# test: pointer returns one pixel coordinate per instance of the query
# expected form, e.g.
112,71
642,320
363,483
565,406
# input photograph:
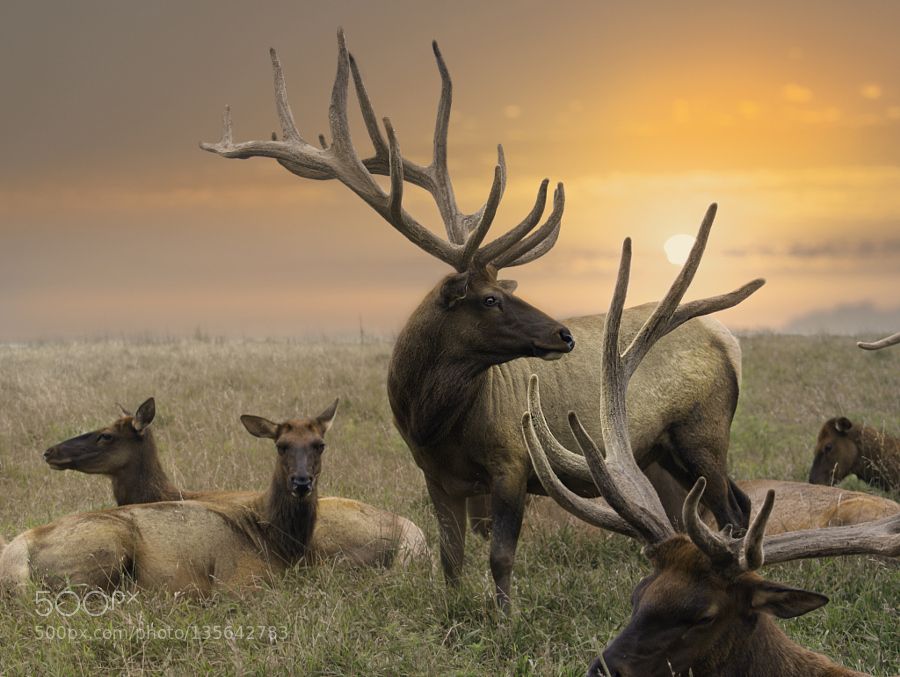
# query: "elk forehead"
300,432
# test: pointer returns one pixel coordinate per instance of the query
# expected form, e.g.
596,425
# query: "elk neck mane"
285,523
145,481
433,381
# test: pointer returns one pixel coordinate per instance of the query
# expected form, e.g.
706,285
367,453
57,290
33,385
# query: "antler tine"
285,115
368,113
891,340
871,538
744,554
669,315
476,237
539,242
618,476
538,439
493,249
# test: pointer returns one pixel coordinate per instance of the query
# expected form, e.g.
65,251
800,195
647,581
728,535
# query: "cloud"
862,250
795,93
512,111
871,91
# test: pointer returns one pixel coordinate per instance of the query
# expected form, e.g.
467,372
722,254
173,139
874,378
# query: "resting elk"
184,546
126,452
703,611
844,448
457,378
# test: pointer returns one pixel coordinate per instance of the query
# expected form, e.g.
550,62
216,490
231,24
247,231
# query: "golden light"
678,247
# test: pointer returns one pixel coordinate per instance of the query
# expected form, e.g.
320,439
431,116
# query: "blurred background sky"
112,221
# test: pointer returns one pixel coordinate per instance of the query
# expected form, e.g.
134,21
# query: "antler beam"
891,340
339,160
617,475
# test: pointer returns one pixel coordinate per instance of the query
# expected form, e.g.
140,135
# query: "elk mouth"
550,353
68,463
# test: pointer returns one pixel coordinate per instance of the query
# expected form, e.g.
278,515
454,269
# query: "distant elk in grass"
186,546
703,611
126,452
844,448
457,378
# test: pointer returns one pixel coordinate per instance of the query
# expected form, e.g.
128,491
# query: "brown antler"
891,340
465,232
667,316
618,476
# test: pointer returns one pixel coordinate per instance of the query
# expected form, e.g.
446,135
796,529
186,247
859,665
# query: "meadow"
572,584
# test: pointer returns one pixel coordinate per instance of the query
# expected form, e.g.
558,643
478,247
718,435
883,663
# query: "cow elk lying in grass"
703,611
844,448
126,452
457,378
186,546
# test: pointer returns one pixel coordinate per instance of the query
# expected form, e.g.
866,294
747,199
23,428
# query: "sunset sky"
113,221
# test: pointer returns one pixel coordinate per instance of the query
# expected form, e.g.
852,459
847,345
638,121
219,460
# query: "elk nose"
49,453
301,484
566,336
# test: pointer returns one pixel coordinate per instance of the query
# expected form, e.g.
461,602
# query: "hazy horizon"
115,223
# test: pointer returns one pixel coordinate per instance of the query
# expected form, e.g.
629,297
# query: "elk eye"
705,620
827,448
281,449
490,301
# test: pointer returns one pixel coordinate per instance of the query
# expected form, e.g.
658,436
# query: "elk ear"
509,286
454,289
260,427
783,601
842,424
144,415
326,418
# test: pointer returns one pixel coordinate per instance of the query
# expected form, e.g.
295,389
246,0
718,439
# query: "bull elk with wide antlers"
457,383
703,611
126,452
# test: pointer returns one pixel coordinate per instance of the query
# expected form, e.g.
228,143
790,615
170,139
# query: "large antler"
618,476
891,340
465,232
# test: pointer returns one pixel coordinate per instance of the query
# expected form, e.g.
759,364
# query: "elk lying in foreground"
457,378
799,506
865,451
126,452
703,611
187,545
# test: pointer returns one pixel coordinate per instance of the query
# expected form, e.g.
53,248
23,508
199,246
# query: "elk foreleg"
507,509
451,517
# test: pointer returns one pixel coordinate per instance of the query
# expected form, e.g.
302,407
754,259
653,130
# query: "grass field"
571,586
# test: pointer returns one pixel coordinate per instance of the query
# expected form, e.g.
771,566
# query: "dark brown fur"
844,448
457,390
694,615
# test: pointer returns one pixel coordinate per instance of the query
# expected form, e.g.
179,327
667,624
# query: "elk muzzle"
301,485
562,342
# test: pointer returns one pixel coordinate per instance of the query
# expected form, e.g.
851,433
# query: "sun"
678,247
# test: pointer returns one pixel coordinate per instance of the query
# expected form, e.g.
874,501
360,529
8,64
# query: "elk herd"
623,419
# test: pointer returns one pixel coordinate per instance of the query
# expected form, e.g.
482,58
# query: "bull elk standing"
456,381
126,452
703,611
186,545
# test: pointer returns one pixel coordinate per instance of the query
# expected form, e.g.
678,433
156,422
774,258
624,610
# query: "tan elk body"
185,546
703,611
126,452
457,378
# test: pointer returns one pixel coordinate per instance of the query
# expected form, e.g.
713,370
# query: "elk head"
300,444
700,608
106,450
836,452
473,293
